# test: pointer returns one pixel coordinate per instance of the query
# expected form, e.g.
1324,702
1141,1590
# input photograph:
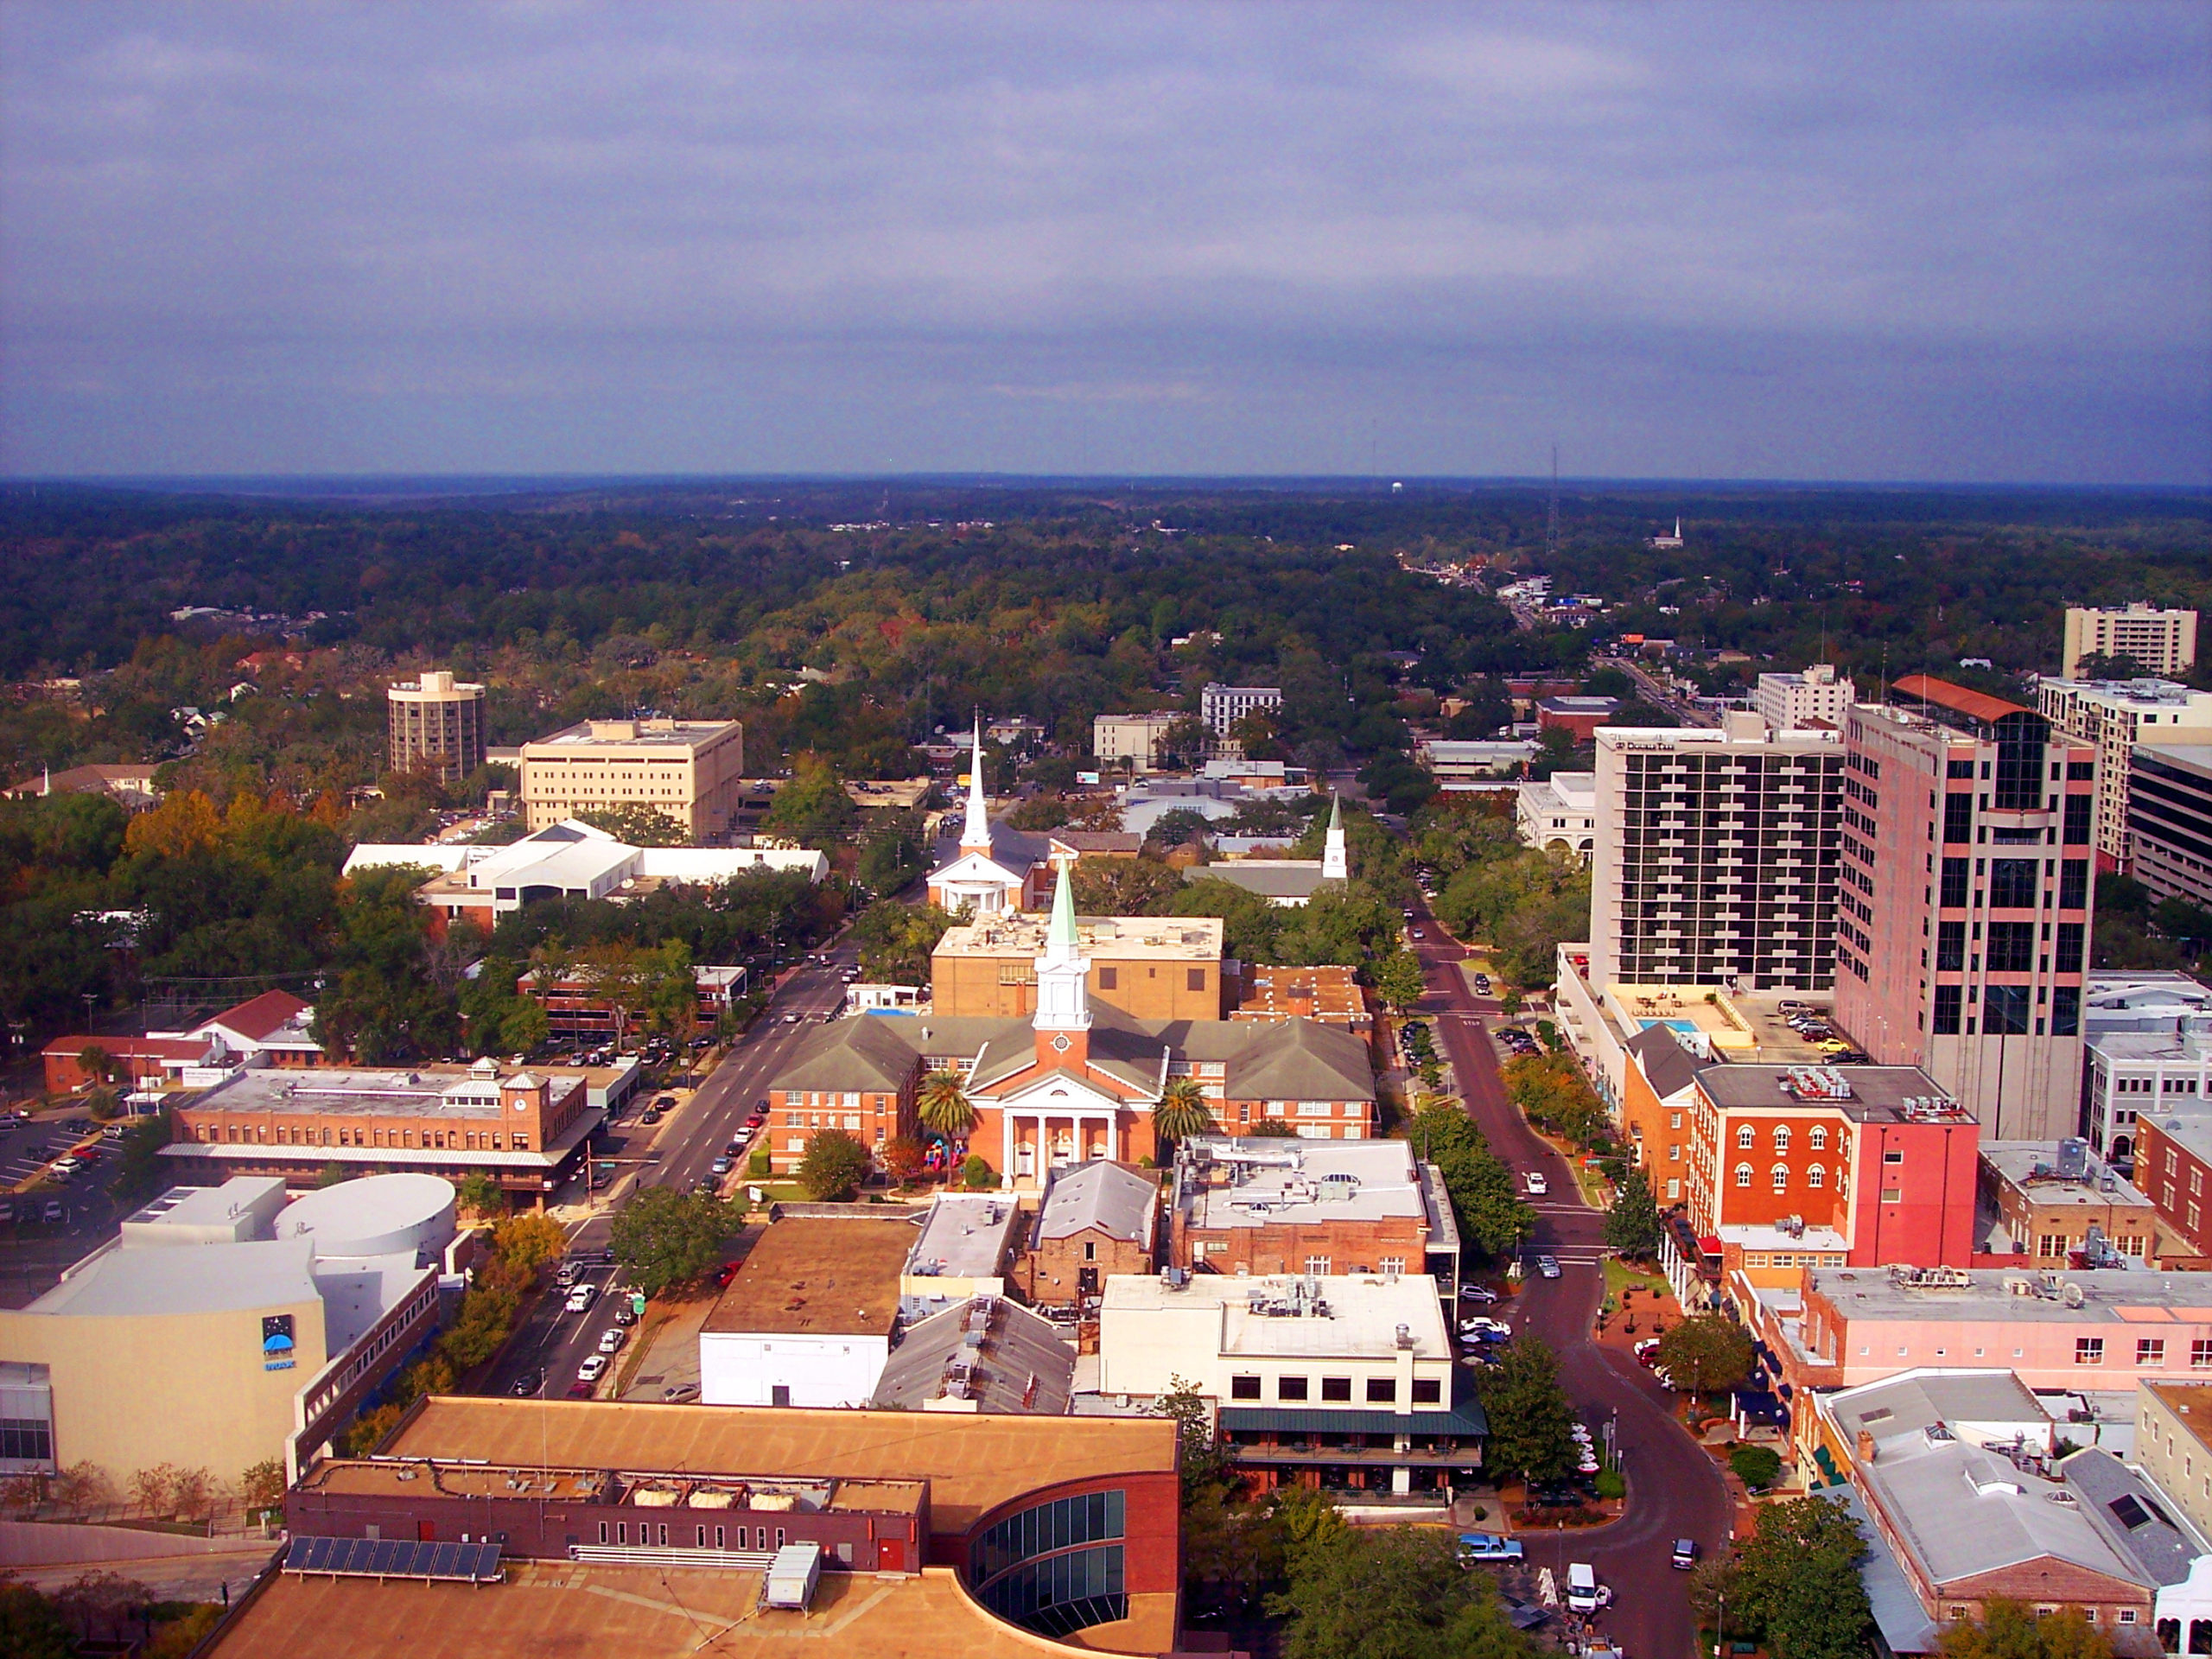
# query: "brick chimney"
1300,998
1865,1445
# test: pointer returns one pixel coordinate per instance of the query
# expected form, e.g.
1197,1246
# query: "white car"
593,1369
1537,1184
612,1340
582,1297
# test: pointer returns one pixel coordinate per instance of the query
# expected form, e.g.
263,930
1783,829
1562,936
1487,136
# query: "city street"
1674,1488
679,1151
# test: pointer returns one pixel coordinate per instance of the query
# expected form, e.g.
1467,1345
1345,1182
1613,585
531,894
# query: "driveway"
1674,1488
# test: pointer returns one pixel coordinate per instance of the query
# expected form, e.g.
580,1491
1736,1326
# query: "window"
1195,979
1948,1001
1817,1137
1290,1387
1893,1156
1393,1264
1743,1174
2089,1350
1317,1267
2012,947
2073,884
2069,948
2150,1350
2050,1244
1428,1391
1744,1137
1673,1120
1109,979
2199,1354
1336,1389
1954,883
1243,1387
2005,1010
1958,818
1781,1173
2078,810
1674,1152
1382,1390
2012,883
1091,1250
1674,1192
1816,1177
1781,1137
2065,1005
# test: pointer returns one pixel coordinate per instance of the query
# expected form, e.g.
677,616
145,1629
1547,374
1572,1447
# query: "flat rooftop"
1872,1093
204,1279
819,1277
1225,1181
965,1235
1359,1318
2114,1296
2175,1047
2030,1166
973,1463
649,1612
1166,939
631,734
424,1091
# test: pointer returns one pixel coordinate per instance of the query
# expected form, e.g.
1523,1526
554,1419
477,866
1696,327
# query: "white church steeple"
1335,865
975,833
1063,972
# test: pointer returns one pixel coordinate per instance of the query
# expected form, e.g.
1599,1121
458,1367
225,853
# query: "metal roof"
1100,1195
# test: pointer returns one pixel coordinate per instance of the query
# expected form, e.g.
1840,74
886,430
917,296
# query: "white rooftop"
965,1235
1223,1181
216,1278
1337,1315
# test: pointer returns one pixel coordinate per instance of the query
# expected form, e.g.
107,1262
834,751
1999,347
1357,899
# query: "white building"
568,859
1134,738
1474,763
2161,642
977,881
1560,813
1368,1342
2131,1073
2116,715
1787,702
1222,706
1676,900
808,1319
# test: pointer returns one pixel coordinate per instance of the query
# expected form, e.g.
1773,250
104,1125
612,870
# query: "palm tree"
1182,1111
942,1105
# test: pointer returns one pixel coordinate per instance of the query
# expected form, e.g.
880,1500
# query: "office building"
1135,738
1245,1206
686,770
2159,642
1473,765
1558,814
808,1319
437,726
643,1529
1302,1367
1815,695
2141,1075
1968,828
1222,706
1717,856
263,1335
2113,716
1578,717
2169,820
1149,967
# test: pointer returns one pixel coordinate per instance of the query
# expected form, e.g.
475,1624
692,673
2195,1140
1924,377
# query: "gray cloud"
1919,241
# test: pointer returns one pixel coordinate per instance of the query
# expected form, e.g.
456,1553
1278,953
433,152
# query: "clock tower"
1063,1018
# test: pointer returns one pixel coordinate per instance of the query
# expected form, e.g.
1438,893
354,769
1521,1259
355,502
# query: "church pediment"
973,869
1058,1091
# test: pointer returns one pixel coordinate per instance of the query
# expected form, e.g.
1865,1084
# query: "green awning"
1464,1418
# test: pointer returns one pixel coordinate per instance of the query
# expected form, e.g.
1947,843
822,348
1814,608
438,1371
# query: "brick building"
2046,1196
1331,995
2173,1158
576,1010
1148,967
1098,1219
1659,1108
1261,1205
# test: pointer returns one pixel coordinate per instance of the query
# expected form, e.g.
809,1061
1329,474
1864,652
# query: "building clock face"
1060,1043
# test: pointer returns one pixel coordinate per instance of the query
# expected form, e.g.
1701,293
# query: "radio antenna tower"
1551,518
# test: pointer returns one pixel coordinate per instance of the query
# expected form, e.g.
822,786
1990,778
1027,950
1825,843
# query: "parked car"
1647,1351
613,1338
724,1273
675,1393
1685,1555
1548,1266
722,1165
580,1390
1584,1593
527,1384
593,1369
650,1116
1482,1294
625,1313
1488,1547
756,1119
55,1212
1538,1185
7,1211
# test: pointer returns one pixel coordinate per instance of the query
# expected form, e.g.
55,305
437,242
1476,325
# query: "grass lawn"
1623,1275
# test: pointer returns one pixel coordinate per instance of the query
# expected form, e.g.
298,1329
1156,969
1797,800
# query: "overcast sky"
1778,240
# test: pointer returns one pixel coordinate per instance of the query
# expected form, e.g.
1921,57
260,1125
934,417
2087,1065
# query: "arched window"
1782,1178
1781,1137
1744,1137
1817,1137
1743,1174
1816,1176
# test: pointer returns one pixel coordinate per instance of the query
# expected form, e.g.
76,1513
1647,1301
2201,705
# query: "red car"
580,1390
755,1120
724,1273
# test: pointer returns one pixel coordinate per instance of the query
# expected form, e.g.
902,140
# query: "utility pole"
1551,518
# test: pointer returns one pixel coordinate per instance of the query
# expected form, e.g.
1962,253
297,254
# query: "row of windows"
1380,1390
389,1139
2150,1352
26,1439
1816,1177
2005,1011
1816,1137
1061,1524
1062,1594
758,1536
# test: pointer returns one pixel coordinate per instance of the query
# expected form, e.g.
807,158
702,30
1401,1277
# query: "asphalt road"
679,1151
1674,1491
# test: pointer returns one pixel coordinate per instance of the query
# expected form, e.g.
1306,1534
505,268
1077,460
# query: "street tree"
1798,1581
1397,1593
661,1236
1205,1462
1182,1112
1632,1225
2012,1630
1399,980
1531,1420
1707,1353
834,1167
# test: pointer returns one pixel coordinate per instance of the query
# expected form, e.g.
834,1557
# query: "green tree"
941,1105
392,996
1530,1417
1400,981
333,1175
1397,1593
1798,1581
662,1238
2012,1630
636,825
835,1165
1632,1225
1707,1353
895,941
1205,1461
811,808
1182,1112
1493,1217
139,1162
480,1194
30,1626
975,1172
1756,1465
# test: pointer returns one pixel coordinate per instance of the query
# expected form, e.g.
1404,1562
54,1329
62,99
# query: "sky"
1962,242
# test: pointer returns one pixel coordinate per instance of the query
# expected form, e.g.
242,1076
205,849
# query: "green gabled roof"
861,1054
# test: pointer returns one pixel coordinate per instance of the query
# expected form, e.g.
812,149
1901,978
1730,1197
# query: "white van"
1581,1588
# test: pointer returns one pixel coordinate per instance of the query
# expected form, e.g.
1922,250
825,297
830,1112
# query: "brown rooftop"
648,1612
973,1464
386,1477
818,1277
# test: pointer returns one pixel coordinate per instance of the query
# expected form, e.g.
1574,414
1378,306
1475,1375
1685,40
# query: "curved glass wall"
1052,1568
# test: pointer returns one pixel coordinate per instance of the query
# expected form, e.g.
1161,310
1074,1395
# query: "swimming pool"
1671,1025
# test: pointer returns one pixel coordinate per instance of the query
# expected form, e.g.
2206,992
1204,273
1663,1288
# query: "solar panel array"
394,1558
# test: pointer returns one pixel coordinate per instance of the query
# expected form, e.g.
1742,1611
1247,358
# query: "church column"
1006,1166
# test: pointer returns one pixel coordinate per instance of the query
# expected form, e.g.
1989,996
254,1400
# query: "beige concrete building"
2173,1444
183,1342
2161,642
2115,716
1149,967
437,726
1134,738
687,769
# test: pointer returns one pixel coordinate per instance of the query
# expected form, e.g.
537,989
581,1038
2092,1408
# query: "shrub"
974,1172
1754,1465
758,1165
1611,1484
